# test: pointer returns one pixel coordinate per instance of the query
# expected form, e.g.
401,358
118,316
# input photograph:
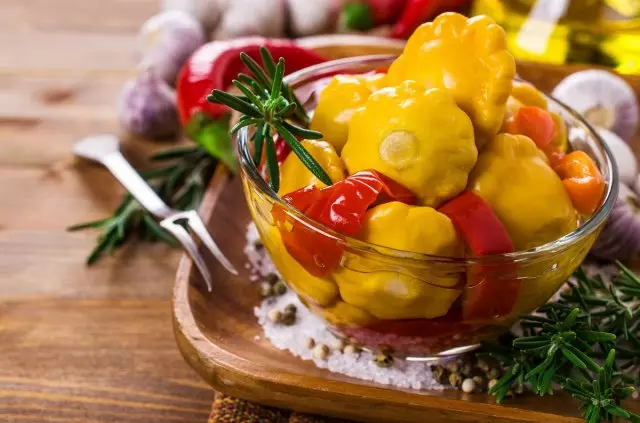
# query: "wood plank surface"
77,344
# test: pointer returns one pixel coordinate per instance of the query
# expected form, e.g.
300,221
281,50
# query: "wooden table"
77,344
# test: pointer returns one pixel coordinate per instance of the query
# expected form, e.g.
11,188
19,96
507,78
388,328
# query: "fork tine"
190,246
197,225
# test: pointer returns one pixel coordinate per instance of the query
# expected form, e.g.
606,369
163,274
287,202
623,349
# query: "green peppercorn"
383,360
279,288
272,278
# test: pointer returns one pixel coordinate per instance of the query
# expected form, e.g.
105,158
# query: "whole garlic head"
241,18
166,41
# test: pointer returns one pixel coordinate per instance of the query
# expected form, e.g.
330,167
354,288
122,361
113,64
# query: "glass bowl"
412,305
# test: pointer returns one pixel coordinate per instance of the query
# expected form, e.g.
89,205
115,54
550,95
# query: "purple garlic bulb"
147,107
620,237
166,41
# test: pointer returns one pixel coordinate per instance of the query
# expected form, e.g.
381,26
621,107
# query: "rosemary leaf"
304,155
272,163
267,61
302,133
262,131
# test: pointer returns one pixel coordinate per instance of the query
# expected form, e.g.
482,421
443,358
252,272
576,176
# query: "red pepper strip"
282,149
366,14
582,180
492,290
535,123
554,155
418,11
340,207
216,64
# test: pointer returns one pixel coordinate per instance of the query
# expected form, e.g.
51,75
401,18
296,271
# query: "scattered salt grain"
309,332
403,374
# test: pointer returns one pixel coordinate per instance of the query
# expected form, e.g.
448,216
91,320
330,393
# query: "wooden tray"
220,338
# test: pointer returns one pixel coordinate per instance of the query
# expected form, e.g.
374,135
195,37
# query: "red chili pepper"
418,11
340,207
366,14
492,290
216,64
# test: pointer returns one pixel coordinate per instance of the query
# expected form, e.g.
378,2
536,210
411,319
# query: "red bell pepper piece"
492,290
366,14
340,207
582,180
216,64
535,123
418,11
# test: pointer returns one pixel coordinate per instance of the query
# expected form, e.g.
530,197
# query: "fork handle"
137,187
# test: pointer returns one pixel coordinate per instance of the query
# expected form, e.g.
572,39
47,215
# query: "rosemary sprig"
269,106
567,340
181,182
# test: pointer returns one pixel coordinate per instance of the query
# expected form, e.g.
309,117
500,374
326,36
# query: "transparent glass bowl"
411,304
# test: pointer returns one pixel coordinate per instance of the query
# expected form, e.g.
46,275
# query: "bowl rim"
551,248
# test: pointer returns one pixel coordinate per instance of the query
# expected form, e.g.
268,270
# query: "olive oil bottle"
602,32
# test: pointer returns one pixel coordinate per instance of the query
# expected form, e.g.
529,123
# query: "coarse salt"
403,374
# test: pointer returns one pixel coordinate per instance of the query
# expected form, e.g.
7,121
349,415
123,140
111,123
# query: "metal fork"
105,149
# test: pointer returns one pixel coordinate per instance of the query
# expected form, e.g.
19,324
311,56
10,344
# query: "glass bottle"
602,32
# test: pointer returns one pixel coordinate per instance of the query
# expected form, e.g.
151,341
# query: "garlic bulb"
207,12
241,18
604,99
620,237
311,17
147,107
166,41
623,155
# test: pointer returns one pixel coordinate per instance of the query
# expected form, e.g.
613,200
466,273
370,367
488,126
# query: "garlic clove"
242,18
166,41
207,12
620,237
636,185
623,155
147,107
606,100
311,17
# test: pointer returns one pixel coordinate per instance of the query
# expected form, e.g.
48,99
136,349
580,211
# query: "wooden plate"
220,338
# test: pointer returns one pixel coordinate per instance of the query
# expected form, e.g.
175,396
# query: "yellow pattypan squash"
528,95
342,314
311,289
469,57
513,176
390,294
419,138
295,175
337,102
560,141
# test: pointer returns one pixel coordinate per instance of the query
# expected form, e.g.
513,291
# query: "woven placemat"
232,410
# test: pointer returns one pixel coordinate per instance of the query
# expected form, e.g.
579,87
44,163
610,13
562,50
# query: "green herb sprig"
181,182
567,340
269,106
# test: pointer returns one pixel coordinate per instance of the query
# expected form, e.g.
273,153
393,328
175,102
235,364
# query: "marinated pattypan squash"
337,102
395,295
513,176
418,138
528,95
321,291
469,57
295,175
342,314
560,141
